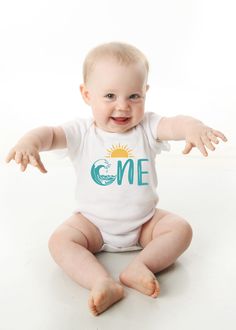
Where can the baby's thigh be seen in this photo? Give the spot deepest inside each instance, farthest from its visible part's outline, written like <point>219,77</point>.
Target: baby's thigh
<point>163,222</point>
<point>80,230</point>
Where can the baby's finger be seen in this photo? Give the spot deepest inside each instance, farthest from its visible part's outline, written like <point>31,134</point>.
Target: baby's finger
<point>10,156</point>
<point>188,148</point>
<point>212,137</point>
<point>23,166</point>
<point>24,162</point>
<point>41,167</point>
<point>37,163</point>
<point>208,143</point>
<point>220,135</point>
<point>18,157</point>
<point>33,160</point>
<point>201,147</point>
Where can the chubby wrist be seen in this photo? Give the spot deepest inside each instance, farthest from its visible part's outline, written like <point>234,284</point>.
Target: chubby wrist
<point>40,138</point>
<point>176,128</point>
<point>190,125</point>
<point>30,140</point>
<point>182,126</point>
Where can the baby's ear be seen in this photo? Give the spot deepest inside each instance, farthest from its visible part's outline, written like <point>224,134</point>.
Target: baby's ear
<point>85,93</point>
<point>147,87</point>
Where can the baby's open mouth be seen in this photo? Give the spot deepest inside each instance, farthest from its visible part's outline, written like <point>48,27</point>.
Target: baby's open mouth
<point>120,120</point>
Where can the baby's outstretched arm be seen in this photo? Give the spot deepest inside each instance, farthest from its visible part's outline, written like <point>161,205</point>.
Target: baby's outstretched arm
<point>27,149</point>
<point>193,131</point>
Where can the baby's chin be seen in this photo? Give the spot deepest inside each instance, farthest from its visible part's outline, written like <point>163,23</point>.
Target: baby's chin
<point>112,127</point>
<point>122,129</point>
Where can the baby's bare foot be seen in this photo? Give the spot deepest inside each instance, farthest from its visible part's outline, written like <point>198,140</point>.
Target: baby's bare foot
<point>139,277</point>
<point>104,294</point>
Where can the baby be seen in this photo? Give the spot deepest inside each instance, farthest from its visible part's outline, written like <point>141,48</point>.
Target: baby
<point>114,154</point>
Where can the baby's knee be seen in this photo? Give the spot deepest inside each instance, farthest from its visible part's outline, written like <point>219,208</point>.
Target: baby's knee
<point>56,244</point>
<point>62,240</point>
<point>185,231</point>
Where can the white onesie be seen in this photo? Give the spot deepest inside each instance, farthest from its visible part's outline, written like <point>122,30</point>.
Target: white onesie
<point>116,177</point>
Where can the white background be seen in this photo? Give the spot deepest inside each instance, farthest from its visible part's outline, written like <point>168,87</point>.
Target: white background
<point>190,45</point>
<point>192,50</point>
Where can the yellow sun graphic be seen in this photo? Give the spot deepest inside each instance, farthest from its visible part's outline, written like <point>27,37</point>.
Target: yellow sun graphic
<point>119,151</point>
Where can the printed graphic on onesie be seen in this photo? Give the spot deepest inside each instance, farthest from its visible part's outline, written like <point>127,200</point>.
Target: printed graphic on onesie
<point>119,166</point>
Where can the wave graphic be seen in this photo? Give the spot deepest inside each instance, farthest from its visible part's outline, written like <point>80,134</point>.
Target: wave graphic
<point>102,179</point>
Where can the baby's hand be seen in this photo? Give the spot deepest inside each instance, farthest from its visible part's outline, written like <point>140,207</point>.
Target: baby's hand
<point>25,154</point>
<point>201,136</point>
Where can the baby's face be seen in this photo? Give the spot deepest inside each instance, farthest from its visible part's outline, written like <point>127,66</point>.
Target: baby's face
<point>116,94</point>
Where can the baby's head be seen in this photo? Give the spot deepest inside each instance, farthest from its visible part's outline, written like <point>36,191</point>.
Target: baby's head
<point>121,53</point>
<point>115,84</point>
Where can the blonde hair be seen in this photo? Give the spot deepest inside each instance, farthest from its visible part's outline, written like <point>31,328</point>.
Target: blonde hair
<point>124,54</point>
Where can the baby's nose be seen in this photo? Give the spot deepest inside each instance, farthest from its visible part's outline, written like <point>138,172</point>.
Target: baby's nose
<point>122,104</point>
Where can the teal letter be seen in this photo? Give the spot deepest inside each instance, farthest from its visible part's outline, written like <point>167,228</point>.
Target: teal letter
<point>140,172</point>
<point>120,171</point>
<point>102,179</point>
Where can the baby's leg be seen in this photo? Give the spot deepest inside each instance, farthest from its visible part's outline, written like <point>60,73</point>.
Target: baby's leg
<point>164,238</point>
<point>72,246</point>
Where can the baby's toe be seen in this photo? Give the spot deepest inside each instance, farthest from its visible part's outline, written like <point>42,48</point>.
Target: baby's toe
<point>92,306</point>
<point>156,289</point>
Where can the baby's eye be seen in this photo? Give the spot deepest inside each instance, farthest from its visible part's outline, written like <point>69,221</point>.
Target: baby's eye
<point>134,96</point>
<point>110,96</point>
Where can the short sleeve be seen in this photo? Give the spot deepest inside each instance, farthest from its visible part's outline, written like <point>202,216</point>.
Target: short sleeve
<point>150,126</point>
<point>75,131</point>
